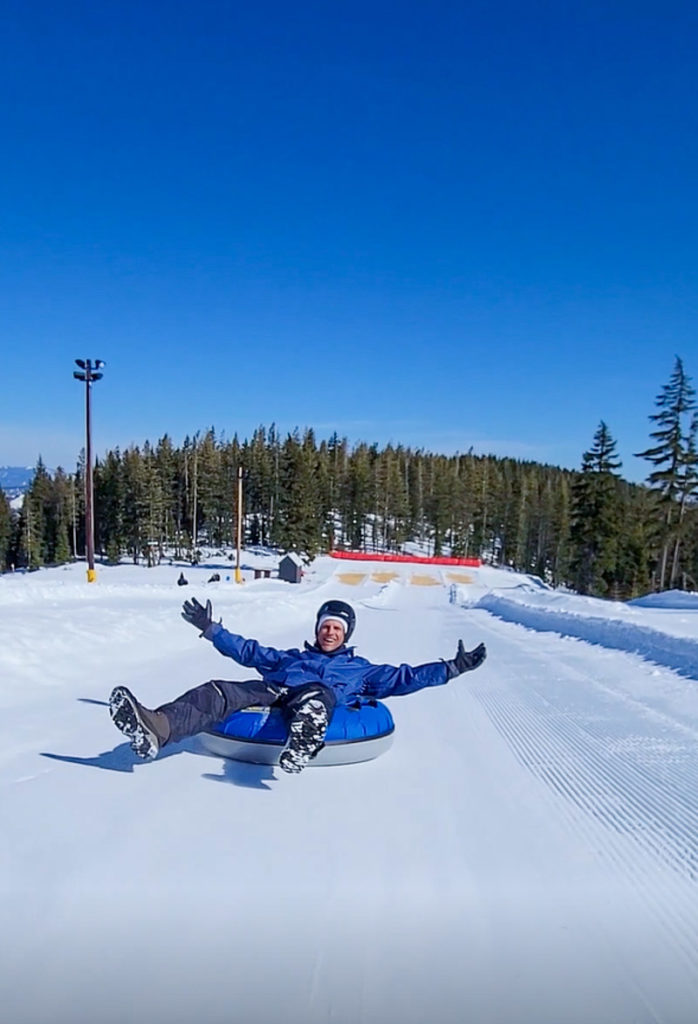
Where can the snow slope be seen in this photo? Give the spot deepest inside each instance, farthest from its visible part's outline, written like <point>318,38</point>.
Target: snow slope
<point>526,853</point>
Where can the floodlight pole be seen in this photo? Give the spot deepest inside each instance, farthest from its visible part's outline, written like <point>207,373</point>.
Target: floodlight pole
<point>89,375</point>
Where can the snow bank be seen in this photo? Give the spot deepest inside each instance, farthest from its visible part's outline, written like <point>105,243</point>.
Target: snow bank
<point>674,652</point>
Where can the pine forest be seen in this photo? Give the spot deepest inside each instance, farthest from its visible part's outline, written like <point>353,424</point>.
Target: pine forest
<point>587,529</point>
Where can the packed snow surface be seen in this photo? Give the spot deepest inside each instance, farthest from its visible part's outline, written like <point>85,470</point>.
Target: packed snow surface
<point>526,853</point>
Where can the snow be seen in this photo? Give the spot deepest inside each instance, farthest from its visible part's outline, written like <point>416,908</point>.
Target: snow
<point>526,853</point>
<point>295,558</point>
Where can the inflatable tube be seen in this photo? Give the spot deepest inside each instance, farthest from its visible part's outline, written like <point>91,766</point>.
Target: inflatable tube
<point>259,735</point>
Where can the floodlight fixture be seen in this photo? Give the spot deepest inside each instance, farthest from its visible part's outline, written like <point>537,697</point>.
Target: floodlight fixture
<point>88,377</point>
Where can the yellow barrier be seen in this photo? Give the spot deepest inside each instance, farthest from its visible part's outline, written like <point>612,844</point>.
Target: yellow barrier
<point>351,578</point>
<point>424,581</point>
<point>383,577</point>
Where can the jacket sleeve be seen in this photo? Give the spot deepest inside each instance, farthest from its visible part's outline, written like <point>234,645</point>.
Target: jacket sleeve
<point>246,652</point>
<point>398,680</point>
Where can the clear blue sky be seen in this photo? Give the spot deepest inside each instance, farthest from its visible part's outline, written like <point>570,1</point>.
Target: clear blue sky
<point>445,224</point>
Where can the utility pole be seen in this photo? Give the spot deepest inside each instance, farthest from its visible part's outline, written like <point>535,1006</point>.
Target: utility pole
<point>88,373</point>
<point>238,574</point>
<point>195,514</point>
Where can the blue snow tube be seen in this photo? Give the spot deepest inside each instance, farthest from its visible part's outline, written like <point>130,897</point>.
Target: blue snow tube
<point>260,734</point>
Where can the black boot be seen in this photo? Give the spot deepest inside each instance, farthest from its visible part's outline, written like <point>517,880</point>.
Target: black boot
<point>147,730</point>
<point>306,736</point>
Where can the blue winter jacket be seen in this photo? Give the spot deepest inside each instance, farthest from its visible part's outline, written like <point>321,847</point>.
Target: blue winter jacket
<point>345,673</point>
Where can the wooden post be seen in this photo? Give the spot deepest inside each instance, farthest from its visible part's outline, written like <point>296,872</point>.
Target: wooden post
<point>195,514</point>
<point>238,574</point>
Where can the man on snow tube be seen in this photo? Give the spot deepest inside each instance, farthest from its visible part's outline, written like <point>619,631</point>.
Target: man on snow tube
<point>306,684</point>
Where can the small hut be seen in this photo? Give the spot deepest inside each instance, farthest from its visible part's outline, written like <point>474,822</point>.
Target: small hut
<point>291,568</point>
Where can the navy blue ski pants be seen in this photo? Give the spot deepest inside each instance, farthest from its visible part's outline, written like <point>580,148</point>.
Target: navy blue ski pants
<point>211,702</point>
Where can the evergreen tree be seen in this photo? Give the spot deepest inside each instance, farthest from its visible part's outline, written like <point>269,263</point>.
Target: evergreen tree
<point>438,506</point>
<point>257,460</point>
<point>77,501</point>
<point>299,523</point>
<point>522,489</point>
<point>481,496</point>
<point>687,487</point>
<point>191,495</point>
<point>392,506</point>
<point>135,507</point>
<point>155,501</point>
<point>60,517</point>
<point>674,459</point>
<point>416,495</point>
<point>168,465</point>
<point>636,542</point>
<point>324,509</point>
<point>274,445</point>
<point>462,523</point>
<point>36,537</point>
<point>596,518</point>
<point>338,461</point>
<point>690,557</point>
<point>559,541</point>
<point>109,489</point>
<point>5,532</point>
<point>215,503</point>
<point>313,497</point>
<point>357,496</point>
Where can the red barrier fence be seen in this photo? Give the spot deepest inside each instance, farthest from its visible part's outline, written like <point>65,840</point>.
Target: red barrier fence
<point>362,556</point>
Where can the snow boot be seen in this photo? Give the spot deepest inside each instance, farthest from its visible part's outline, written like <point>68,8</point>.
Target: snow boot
<point>306,736</point>
<point>146,730</point>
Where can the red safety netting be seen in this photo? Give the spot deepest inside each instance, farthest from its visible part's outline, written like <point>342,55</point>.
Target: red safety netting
<point>362,556</point>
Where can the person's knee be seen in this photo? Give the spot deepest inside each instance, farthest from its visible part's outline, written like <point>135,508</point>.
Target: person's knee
<point>328,698</point>
<point>313,691</point>
<point>210,697</point>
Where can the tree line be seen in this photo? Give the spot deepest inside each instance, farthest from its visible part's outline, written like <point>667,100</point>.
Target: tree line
<point>589,529</point>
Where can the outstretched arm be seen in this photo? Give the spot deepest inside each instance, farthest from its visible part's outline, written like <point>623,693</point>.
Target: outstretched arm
<point>246,652</point>
<point>394,681</point>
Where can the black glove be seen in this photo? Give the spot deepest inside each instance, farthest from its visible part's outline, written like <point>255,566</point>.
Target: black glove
<point>465,661</point>
<point>198,615</point>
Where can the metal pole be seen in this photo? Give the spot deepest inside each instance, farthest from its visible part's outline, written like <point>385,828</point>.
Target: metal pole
<point>194,529</point>
<point>89,496</point>
<point>87,375</point>
<point>238,574</point>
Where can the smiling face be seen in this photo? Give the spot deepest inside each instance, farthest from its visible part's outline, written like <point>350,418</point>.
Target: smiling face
<point>330,635</point>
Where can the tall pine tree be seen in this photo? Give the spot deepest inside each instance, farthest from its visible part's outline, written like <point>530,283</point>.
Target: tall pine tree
<point>596,518</point>
<point>5,531</point>
<point>674,457</point>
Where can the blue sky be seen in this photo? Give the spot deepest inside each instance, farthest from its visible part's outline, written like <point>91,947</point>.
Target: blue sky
<point>441,224</point>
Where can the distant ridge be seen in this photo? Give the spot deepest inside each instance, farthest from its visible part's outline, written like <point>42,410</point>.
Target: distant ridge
<point>14,480</point>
